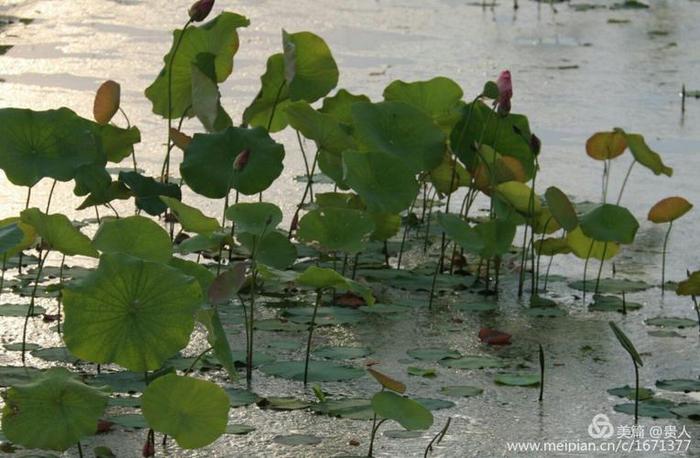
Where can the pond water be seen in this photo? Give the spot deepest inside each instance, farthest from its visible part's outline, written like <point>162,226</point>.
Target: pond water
<point>574,73</point>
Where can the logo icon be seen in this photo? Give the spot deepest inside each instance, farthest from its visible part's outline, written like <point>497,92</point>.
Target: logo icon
<point>600,427</point>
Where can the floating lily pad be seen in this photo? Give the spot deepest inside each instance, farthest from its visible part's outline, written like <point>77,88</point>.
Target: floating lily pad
<point>355,409</point>
<point>671,322</point>
<point>325,316</point>
<point>408,412</point>
<point>342,352</point>
<point>403,434</point>
<point>274,324</point>
<point>611,285</point>
<point>129,421</point>
<point>629,392</point>
<point>259,358</point>
<point>319,371</point>
<point>689,410</point>
<point>384,309</point>
<point>606,303</point>
<point>125,401</point>
<point>664,333</point>
<point>421,372</point>
<point>16,310</point>
<point>297,439</point>
<point>13,375</point>
<point>239,397</point>
<point>59,354</point>
<point>469,362</point>
<point>679,384</point>
<point>545,312</point>
<point>518,379</point>
<point>654,408</point>
<point>239,429</point>
<point>17,346</point>
<point>433,353</point>
<point>283,403</point>
<point>475,306</point>
<point>462,391</point>
<point>121,382</point>
<point>435,404</point>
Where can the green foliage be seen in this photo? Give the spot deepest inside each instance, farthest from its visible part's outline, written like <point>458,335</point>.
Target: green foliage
<point>137,236</point>
<point>610,223</point>
<point>254,218</point>
<point>336,229</point>
<point>407,412</point>
<point>58,233</point>
<point>147,192</point>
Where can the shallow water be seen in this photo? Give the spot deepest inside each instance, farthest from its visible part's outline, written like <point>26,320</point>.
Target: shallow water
<point>626,75</point>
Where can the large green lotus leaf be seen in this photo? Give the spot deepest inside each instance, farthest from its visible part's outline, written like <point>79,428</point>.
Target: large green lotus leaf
<point>216,336</point>
<point>340,105</point>
<point>273,249</point>
<point>206,99</point>
<point>520,196</point>
<point>691,286</point>
<point>273,95</point>
<point>383,181</point>
<point>115,191</point>
<point>552,246</point>
<point>27,240</point>
<point>309,67</point>
<point>58,233</point>
<point>39,144</point>
<point>322,278</point>
<point>131,312</point>
<point>52,412</point>
<point>254,218</point>
<point>386,225</point>
<point>118,143</point>
<point>336,229</point>
<point>561,208</point>
<point>497,236</point>
<point>137,236</point>
<point>449,176</point>
<point>439,98</point>
<point>91,178</point>
<point>190,218</point>
<point>218,37</point>
<point>328,133</point>
<point>646,156</point>
<point>582,248</point>
<point>204,242</point>
<point>407,412</point>
<point>669,209</point>
<point>148,191</point>
<point>610,223</point>
<point>211,166</point>
<point>348,200</point>
<point>332,166</point>
<point>509,135</point>
<point>400,130</point>
<point>461,232</point>
<point>193,411</point>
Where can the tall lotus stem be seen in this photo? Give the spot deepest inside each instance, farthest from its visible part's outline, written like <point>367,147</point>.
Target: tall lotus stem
<point>319,295</point>
<point>663,259</point>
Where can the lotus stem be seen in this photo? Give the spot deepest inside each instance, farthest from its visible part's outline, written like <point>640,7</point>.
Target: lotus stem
<point>80,450</point>
<point>437,438</point>
<point>663,259</point>
<point>197,359</point>
<point>166,163</point>
<point>307,189</point>
<point>427,226</point>
<point>319,295</point>
<point>26,206</point>
<point>48,202</point>
<point>405,232</point>
<point>60,296</point>
<point>624,182</point>
<point>541,355</point>
<point>600,268</point>
<point>2,275</point>
<point>636,392</point>
<point>375,428</point>
<point>274,105</point>
<point>624,304</point>
<point>523,254</point>
<point>546,275</point>
<point>30,309</point>
<point>585,269</point>
<point>357,259</point>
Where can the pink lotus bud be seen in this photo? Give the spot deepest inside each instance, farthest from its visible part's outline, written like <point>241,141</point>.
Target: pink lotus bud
<point>505,89</point>
<point>200,10</point>
<point>241,160</point>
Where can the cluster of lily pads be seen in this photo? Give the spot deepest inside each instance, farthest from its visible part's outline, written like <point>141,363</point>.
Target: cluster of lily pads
<point>395,165</point>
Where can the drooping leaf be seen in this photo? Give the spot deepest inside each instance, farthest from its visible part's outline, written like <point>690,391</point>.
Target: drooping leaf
<point>39,144</point>
<point>53,412</point>
<point>610,223</point>
<point>193,411</point>
<point>669,209</point>
<point>387,382</point>
<point>137,236</point>
<point>262,166</point>
<point>9,247</point>
<point>691,286</point>
<point>520,196</point>
<point>407,412</point>
<point>309,67</point>
<point>561,207</point>
<point>646,156</point>
<point>115,191</point>
<point>106,102</point>
<point>227,284</point>
<point>626,343</point>
<point>58,233</point>
<point>438,98</point>
<point>206,99</point>
<point>401,131</point>
<point>132,312</point>
<point>147,192</point>
<point>606,145</point>
<point>269,106</point>
<point>191,219</point>
<point>218,37</point>
<point>216,336</point>
<point>384,182</point>
<point>336,229</point>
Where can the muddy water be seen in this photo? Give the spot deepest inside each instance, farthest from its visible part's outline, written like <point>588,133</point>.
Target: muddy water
<point>574,73</point>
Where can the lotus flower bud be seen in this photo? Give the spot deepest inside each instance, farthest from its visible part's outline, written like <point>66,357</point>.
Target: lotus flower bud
<point>505,89</point>
<point>241,160</point>
<point>535,144</point>
<point>200,10</point>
